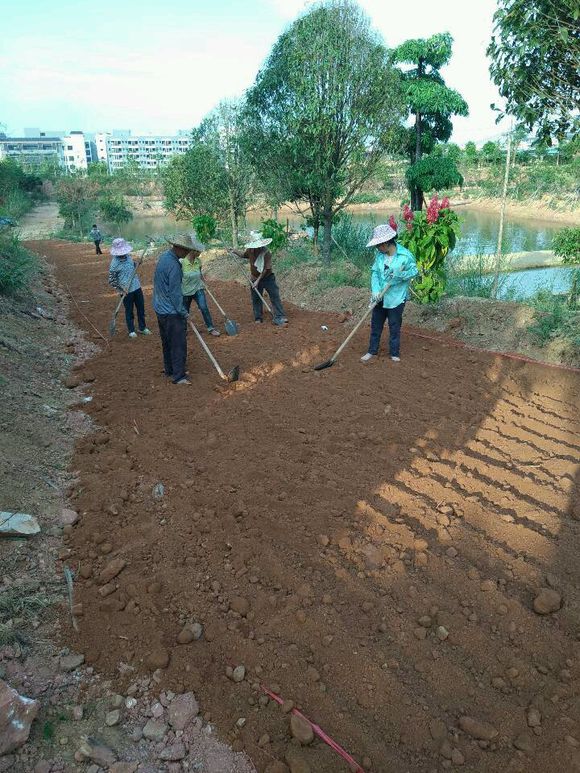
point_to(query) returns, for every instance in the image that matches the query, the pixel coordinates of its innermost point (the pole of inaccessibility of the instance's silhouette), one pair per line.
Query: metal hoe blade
(323, 365)
(234, 374)
(231, 327)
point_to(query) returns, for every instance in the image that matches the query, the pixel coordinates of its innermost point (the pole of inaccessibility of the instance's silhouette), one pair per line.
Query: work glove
(375, 297)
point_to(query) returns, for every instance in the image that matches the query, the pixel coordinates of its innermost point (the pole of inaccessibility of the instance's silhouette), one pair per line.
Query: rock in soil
(477, 728)
(301, 730)
(547, 601)
(183, 709)
(71, 662)
(155, 730)
(94, 750)
(18, 525)
(17, 714)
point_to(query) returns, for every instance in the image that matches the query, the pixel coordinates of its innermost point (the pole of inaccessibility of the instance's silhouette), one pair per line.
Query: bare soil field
(394, 548)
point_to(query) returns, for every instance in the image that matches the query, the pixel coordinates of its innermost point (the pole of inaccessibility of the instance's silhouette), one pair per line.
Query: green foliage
(430, 236)
(430, 101)
(17, 264)
(535, 56)
(18, 190)
(472, 279)
(434, 173)
(271, 229)
(470, 154)
(554, 319)
(205, 227)
(323, 110)
(366, 198)
(214, 176)
(114, 210)
(78, 200)
(491, 152)
(566, 245)
(351, 240)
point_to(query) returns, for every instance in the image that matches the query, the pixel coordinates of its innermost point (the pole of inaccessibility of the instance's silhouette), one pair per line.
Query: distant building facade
(76, 150)
(32, 152)
(148, 151)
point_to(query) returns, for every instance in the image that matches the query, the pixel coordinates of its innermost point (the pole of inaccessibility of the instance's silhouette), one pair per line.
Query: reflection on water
(524, 284)
(478, 230)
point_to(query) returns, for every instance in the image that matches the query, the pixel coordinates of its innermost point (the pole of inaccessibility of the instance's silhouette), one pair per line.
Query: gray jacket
(167, 295)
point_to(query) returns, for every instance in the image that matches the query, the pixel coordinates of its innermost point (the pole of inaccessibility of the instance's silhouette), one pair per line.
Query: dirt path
(368, 541)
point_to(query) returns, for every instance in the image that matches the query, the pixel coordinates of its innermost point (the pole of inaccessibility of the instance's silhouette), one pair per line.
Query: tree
(431, 103)
(323, 110)
(214, 177)
(77, 197)
(470, 154)
(491, 152)
(114, 210)
(535, 63)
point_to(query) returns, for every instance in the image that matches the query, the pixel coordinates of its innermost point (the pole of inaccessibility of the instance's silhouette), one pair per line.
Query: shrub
(271, 229)
(366, 198)
(114, 210)
(205, 227)
(17, 264)
(566, 245)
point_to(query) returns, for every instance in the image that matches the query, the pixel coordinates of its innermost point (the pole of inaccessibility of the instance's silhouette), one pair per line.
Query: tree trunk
(498, 254)
(327, 236)
(417, 197)
(234, 221)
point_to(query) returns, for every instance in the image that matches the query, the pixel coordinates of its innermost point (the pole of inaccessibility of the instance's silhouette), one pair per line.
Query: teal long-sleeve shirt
(398, 270)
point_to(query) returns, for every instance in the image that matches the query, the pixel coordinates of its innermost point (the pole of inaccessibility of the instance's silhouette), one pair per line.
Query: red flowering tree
(430, 236)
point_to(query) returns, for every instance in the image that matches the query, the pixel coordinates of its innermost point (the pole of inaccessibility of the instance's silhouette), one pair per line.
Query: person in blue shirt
(168, 304)
(394, 268)
(123, 278)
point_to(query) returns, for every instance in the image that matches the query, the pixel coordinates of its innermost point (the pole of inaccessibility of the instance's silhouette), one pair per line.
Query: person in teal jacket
(394, 266)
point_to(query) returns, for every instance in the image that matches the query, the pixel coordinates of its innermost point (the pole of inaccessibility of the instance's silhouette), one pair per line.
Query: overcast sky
(157, 68)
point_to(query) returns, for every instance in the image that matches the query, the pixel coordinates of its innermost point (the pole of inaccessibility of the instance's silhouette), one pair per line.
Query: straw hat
(256, 241)
(382, 234)
(120, 247)
(188, 240)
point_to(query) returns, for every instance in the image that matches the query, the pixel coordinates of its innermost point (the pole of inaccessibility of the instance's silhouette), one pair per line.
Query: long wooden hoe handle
(207, 351)
(358, 324)
(255, 289)
(214, 299)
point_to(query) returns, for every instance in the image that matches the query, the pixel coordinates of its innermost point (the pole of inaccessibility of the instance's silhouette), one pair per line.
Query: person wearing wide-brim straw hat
(394, 268)
(123, 277)
(169, 307)
(263, 278)
(193, 286)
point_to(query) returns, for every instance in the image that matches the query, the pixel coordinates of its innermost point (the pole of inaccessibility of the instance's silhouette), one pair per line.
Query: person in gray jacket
(123, 278)
(168, 304)
(95, 235)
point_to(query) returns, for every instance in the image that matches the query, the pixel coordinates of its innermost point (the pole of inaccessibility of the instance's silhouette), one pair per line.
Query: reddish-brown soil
(344, 507)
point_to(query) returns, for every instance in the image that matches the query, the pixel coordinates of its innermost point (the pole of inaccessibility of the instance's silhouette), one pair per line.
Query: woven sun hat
(185, 239)
(256, 241)
(382, 234)
(120, 247)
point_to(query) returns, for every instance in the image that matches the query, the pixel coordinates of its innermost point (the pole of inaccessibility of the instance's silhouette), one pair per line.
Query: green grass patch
(17, 265)
(554, 319)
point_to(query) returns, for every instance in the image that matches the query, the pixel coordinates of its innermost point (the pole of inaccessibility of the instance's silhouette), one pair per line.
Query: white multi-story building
(32, 151)
(79, 151)
(149, 151)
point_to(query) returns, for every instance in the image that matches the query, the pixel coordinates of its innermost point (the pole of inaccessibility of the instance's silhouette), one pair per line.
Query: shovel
(329, 363)
(229, 324)
(234, 373)
(113, 322)
(255, 289)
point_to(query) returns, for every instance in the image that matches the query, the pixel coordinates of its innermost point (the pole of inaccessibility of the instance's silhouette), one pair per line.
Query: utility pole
(502, 215)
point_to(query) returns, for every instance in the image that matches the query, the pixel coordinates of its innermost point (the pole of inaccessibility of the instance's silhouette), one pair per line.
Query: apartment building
(149, 151)
(79, 151)
(31, 152)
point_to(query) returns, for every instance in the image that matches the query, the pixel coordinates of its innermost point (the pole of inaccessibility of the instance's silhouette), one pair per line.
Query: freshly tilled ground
(368, 541)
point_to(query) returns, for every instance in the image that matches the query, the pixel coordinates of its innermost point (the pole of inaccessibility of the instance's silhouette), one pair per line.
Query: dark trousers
(201, 300)
(378, 319)
(173, 331)
(268, 283)
(98, 250)
(135, 300)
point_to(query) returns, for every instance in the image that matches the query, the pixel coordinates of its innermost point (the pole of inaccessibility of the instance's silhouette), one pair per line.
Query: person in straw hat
(169, 307)
(193, 287)
(123, 277)
(263, 278)
(394, 268)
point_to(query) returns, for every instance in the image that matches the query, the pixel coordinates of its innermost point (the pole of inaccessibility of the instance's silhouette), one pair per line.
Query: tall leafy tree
(324, 109)
(535, 62)
(430, 104)
(214, 177)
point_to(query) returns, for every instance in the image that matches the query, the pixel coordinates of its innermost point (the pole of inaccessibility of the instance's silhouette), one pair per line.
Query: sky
(160, 67)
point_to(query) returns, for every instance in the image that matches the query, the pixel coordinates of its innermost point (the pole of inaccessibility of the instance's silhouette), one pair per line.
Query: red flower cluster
(433, 210)
(408, 216)
(445, 203)
(393, 223)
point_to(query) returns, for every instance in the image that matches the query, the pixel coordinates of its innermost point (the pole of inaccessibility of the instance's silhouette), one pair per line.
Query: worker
(391, 274)
(96, 237)
(262, 278)
(193, 287)
(169, 307)
(123, 278)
